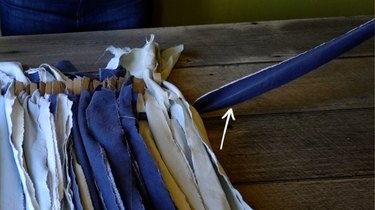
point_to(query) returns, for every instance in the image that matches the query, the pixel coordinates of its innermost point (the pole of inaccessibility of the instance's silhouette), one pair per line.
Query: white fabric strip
(171, 153)
(17, 119)
(14, 69)
(35, 149)
(208, 182)
(235, 199)
(63, 125)
(11, 190)
(175, 191)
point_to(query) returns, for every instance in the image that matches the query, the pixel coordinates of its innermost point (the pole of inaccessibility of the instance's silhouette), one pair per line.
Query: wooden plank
(305, 145)
(353, 193)
(340, 84)
(204, 45)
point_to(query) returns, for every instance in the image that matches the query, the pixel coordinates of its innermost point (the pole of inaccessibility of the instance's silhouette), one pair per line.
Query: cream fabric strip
(82, 185)
(171, 153)
(175, 191)
(234, 197)
(17, 119)
(35, 147)
(208, 182)
(11, 190)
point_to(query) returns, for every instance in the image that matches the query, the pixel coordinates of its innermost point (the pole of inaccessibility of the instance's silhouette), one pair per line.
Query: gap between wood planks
(315, 179)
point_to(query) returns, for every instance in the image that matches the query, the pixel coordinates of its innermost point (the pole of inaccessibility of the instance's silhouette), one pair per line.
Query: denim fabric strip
(68, 202)
(139, 184)
(11, 192)
(82, 158)
(107, 73)
(21, 17)
(109, 133)
(40, 74)
(96, 157)
(33, 76)
(53, 103)
(66, 66)
(76, 197)
(151, 176)
(69, 69)
(274, 76)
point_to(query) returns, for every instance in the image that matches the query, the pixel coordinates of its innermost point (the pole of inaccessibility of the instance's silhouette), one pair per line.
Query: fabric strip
(274, 76)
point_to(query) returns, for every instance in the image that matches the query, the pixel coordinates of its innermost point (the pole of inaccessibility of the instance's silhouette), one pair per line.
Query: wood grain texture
(301, 145)
(306, 145)
(351, 193)
(205, 45)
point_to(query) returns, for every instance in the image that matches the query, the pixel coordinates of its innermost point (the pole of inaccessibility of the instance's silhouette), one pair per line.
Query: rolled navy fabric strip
(274, 76)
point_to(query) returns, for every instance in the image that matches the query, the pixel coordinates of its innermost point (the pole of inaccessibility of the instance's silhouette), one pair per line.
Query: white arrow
(229, 114)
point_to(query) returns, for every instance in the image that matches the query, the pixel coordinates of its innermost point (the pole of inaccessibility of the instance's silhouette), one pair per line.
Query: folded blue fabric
(274, 76)
(97, 157)
(109, 133)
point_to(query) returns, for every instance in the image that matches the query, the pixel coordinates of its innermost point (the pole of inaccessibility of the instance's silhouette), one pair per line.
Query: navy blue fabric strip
(274, 76)
(108, 73)
(66, 66)
(74, 185)
(82, 156)
(95, 155)
(109, 133)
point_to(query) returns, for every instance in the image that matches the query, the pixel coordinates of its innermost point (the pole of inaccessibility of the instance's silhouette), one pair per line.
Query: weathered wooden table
(306, 145)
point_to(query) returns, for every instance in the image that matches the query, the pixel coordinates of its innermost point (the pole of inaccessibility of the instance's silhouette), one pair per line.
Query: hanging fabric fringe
(127, 139)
